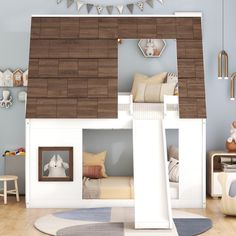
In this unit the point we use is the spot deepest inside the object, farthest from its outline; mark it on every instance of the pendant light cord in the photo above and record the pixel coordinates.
(223, 24)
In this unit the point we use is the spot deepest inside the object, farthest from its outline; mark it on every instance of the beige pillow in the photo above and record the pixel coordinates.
(173, 152)
(140, 78)
(158, 78)
(95, 159)
(167, 89)
(140, 92)
(152, 92)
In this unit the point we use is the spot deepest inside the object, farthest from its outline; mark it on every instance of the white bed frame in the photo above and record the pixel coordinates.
(148, 122)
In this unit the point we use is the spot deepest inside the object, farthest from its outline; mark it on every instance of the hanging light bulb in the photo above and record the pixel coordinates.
(223, 59)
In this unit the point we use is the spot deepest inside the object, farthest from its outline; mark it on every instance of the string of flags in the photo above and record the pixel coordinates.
(110, 8)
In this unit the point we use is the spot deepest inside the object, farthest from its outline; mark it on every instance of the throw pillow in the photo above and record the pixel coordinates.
(92, 172)
(140, 78)
(95, 159)
(167, 89)
(173, 169)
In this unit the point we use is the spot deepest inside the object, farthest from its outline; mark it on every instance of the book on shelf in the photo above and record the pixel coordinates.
(228, 167)
(229, 170)
(228, 159)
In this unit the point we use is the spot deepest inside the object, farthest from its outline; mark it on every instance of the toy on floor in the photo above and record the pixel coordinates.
(17, 152)
(56, 167)
(228, 200)
(231, 141)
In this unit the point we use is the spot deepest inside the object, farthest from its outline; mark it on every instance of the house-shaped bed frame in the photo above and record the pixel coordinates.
(73, 86)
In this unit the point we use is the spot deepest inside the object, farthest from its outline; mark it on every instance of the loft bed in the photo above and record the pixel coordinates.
(73, 86)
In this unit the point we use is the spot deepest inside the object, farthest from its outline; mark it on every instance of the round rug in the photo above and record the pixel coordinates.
(115, 222)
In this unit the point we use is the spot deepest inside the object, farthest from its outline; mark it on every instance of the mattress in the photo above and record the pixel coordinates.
(116, 187)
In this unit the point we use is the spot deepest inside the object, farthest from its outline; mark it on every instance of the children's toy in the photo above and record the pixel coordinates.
(6, 100)
(231, 141)
(17, 152)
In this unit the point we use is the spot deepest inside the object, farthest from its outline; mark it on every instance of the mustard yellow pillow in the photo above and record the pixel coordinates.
(95, 159)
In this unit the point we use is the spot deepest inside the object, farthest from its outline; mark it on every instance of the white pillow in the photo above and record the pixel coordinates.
(167, 89)
(173, 170)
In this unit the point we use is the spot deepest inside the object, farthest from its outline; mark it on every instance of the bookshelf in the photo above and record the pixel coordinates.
(214, 169)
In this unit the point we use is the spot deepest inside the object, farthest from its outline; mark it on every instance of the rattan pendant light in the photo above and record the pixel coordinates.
(223, 56)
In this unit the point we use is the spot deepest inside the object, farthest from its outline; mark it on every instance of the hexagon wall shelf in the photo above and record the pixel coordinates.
(152, 47)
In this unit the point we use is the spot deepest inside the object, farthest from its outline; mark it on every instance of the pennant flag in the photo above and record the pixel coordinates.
(109, 9)
(140, 4)
(130, 7)
(89, 7)
(161, 1)
(69, 3)
(150, 3)
(59, 1)
(79, 5)
(99, 9)
(120, 8)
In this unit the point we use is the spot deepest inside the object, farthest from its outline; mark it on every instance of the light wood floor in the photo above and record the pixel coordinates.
(16, 220)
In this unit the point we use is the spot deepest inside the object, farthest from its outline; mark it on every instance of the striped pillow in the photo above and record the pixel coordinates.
(173, 170)
(92, 172)
(173, 78)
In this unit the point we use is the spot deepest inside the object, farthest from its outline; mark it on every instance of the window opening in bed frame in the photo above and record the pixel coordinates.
(172, 145)
(114, 149)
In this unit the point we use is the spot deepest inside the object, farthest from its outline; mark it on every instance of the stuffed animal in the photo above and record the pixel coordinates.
(232, 133)
(150, 48)
(56, 167)
(231, 141)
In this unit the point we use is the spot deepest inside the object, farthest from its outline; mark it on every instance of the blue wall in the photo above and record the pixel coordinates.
(131, 61)
(14, 46)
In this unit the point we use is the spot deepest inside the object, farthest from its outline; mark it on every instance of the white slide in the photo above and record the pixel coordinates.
(151, 184)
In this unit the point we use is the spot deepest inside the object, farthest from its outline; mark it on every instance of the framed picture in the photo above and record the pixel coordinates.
(55, 163)
(152, 47)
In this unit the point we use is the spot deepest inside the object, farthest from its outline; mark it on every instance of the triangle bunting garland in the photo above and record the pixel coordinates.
(59, 1)
(140, 4)
(130, 7)
(120, 8)
(69, 3)
(99, 9)
(161, 1)
(150, 3)
(89, 7)
(109, 8)
(79, 5)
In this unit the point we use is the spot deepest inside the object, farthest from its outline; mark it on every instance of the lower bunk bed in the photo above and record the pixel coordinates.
(116, 187)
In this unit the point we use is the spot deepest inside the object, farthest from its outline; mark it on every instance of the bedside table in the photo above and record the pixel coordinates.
(213, 170)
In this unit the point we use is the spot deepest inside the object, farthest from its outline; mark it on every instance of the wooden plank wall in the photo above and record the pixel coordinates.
(73, 64)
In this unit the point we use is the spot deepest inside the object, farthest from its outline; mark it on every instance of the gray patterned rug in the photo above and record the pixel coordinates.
(115, 222)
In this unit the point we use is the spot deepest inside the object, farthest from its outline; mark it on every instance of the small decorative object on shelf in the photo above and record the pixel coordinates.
(231, 141)
(152, 47)
(6, 100)
(18, 78)
(22, 96)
